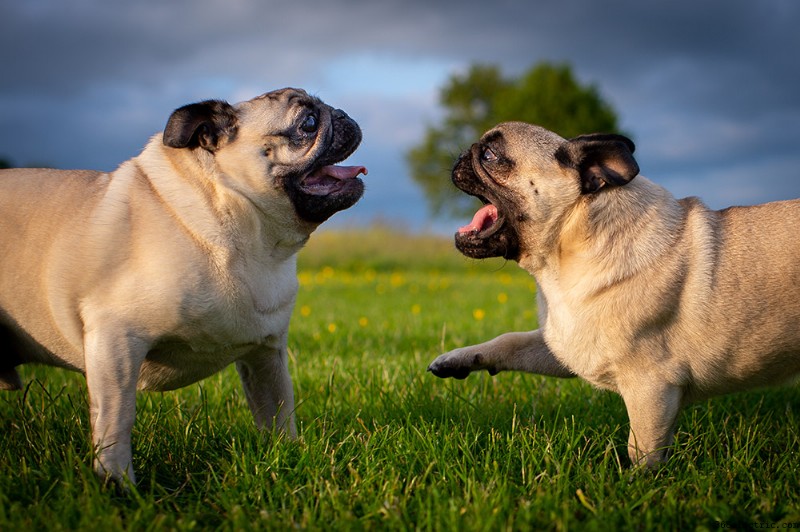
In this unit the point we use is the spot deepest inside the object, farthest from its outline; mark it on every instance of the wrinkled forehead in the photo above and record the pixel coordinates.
(280, 107)
(522, 136)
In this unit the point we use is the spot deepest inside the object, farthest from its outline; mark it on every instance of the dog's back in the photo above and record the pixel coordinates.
(34, 201)
(753, 316)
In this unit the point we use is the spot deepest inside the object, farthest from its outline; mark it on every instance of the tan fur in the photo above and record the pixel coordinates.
(663, 301)
(163, 272)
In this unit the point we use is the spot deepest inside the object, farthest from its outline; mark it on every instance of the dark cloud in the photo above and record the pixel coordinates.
(707, 89)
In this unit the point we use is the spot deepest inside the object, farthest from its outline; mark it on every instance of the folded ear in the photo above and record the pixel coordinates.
(202, 124)
(600, 160)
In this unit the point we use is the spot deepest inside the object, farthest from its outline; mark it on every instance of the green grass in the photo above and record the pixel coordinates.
(383, 444)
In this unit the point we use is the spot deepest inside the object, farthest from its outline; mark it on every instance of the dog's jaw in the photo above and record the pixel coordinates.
(319, 195)
(496, 241)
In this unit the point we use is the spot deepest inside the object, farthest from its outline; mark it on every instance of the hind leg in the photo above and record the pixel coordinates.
(9, 380)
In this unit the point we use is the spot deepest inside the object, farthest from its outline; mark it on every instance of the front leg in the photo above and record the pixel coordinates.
(268, 387)
(653, 408)
(516, 351)
(113, 360)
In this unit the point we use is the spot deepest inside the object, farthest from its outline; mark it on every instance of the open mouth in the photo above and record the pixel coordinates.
(484, 219)
(489, 233)
(325, 191)
(331, 179)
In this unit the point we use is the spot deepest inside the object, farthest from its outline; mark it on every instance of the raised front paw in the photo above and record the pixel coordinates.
(457, 364)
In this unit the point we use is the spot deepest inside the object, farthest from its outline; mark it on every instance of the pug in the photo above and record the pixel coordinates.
(661, 300)
(180, 262)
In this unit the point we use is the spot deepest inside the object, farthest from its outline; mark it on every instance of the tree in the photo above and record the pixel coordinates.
(547, 95)
(5, 163)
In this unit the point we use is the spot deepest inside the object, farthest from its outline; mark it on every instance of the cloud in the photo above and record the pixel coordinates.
(708, 89)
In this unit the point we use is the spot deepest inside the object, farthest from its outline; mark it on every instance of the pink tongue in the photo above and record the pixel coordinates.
(483, 219)
(341, 172)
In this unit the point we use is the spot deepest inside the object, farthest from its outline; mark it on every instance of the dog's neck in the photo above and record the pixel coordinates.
(608, 238)
(218, 218)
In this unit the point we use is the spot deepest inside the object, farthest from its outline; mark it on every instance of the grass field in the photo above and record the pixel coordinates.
(383, 444)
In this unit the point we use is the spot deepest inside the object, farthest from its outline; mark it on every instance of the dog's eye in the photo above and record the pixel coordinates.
(310, 124)
(488, 155)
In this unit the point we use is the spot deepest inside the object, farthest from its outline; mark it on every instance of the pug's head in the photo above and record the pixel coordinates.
(529, 179)
(279, 149)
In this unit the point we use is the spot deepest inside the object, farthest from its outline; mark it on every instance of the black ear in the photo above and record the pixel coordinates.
(600, 160)
(202, 124)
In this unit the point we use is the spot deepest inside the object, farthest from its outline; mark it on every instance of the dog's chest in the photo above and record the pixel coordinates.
(584, 352)
(221, 325)
(256, 303)
(578, 338)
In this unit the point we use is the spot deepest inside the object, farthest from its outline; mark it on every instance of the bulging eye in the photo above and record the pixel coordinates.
(488, 155)
(310, 124)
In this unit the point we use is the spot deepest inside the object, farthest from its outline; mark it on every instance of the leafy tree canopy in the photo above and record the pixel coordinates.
(547, 95)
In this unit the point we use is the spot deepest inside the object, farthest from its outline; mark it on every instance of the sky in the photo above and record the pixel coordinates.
(708, 90)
